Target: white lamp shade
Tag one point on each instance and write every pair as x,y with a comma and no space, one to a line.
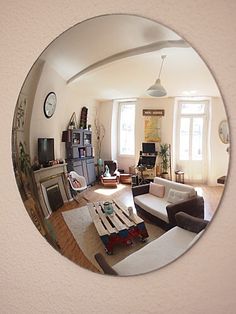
156,90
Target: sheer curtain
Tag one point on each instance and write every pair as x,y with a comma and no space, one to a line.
191,138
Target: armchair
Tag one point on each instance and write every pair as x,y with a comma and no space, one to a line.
113,178
160,251
77,184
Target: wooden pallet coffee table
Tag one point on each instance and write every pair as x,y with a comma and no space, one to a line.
118,227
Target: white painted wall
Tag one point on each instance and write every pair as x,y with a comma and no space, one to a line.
40,126
218,156
166,121
74,102
68,101
28,90
105,116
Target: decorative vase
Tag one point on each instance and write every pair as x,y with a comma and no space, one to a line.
130,211
165,175
100,162
108,208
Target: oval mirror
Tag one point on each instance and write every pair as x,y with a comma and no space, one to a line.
224,132
110,145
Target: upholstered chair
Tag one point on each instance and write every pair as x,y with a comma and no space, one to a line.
113,178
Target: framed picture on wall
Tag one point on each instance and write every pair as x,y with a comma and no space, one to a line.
152,129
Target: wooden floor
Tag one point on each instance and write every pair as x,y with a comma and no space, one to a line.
67,243
212,196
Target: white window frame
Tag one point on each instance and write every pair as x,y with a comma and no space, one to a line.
180,115
119,122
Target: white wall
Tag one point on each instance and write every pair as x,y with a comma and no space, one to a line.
218,156
74,102
166,121
68,101
105,116
28,90
40,126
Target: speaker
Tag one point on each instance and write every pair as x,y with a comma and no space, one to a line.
134,180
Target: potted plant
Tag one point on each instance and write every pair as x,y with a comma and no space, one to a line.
100,133
24,159
164,155
25,168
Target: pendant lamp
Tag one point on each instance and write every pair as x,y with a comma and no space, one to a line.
157,90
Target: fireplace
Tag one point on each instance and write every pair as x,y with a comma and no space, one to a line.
54,197
52,187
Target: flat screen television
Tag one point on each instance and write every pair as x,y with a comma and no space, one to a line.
148,148
45,150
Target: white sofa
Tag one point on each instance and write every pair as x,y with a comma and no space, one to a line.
161,209
161,251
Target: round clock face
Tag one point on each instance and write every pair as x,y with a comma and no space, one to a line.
50,104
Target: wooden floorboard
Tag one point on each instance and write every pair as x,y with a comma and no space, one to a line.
66,241
212,196
68,246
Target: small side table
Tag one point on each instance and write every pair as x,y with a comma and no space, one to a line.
179,176
125,178
221,180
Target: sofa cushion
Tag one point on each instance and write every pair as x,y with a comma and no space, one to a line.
157,189
153,205
175,185
156,254
175,196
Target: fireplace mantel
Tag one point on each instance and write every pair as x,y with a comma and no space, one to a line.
47,177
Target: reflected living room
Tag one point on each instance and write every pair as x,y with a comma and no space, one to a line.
120,145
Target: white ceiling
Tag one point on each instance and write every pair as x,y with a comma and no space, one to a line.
184,73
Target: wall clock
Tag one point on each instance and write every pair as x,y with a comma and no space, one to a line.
49,106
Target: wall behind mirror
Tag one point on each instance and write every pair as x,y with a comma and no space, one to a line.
119,72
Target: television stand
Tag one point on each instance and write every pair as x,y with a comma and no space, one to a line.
148,161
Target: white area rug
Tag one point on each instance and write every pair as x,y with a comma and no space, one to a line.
82,228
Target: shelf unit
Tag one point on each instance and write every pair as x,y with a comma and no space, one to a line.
79,153
149,162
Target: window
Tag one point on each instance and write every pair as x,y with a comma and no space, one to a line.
191,138
192,108
184,139
126,128
191,130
